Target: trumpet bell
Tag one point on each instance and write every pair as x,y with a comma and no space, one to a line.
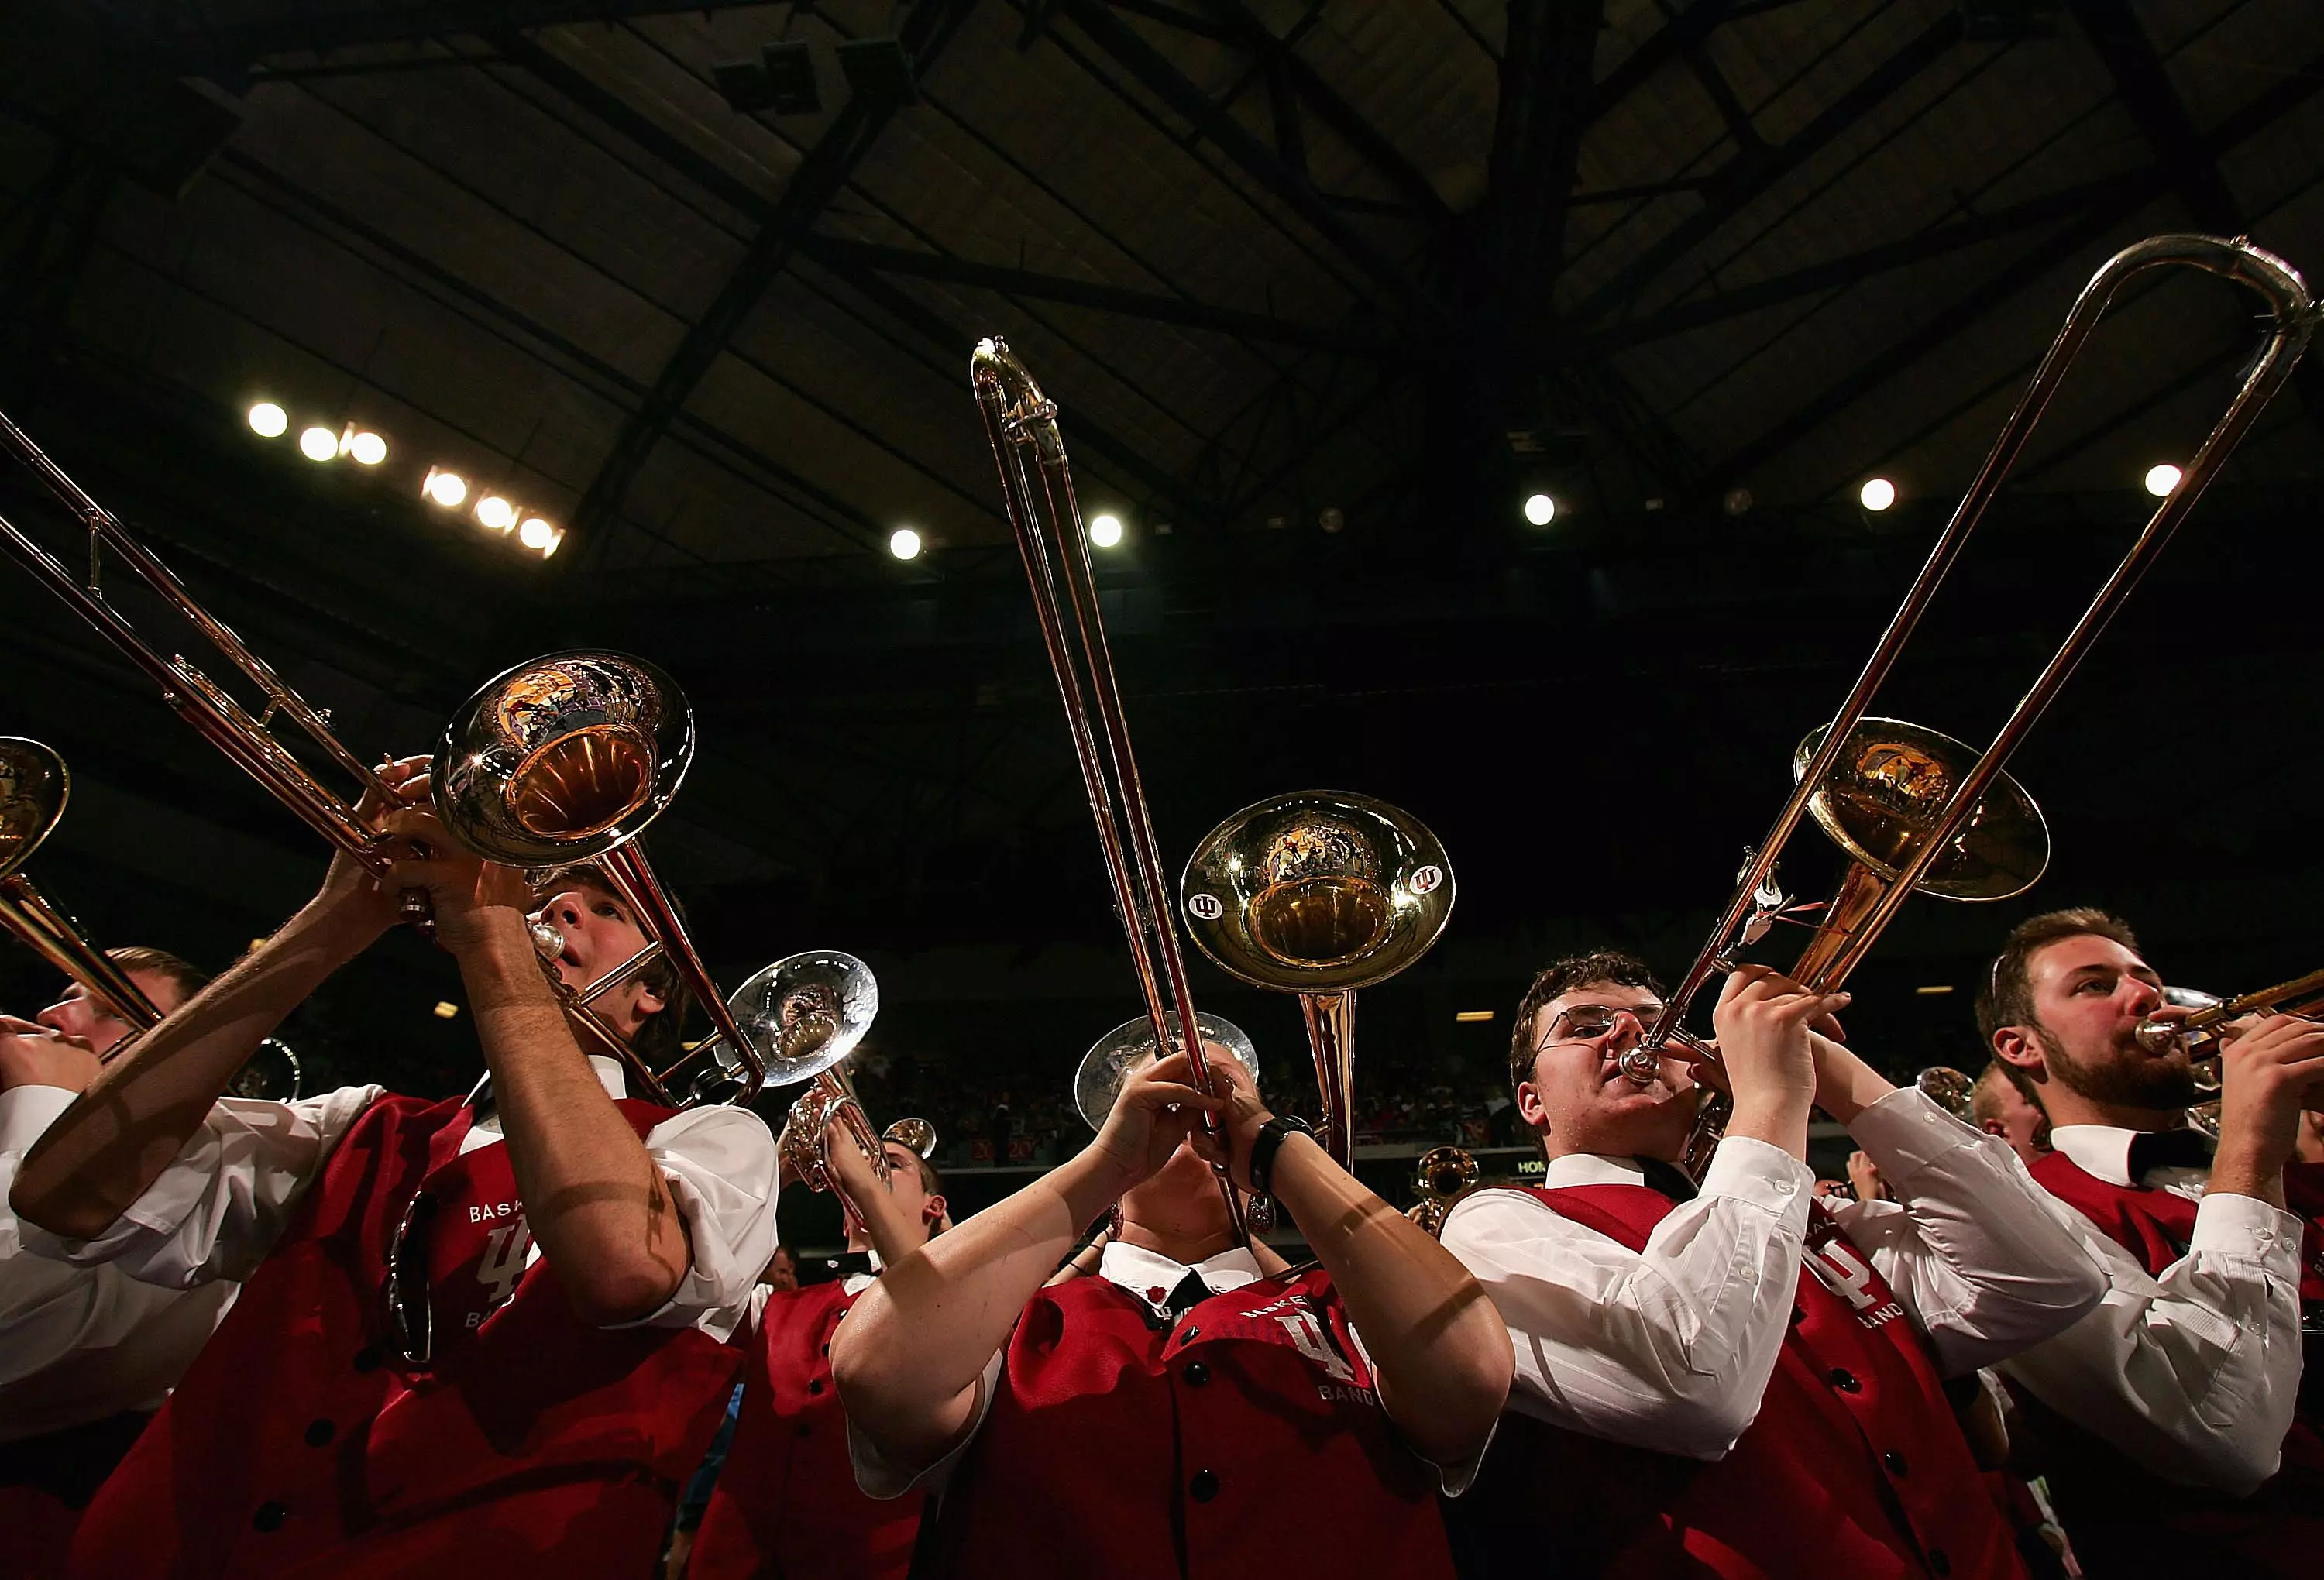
563,757
806,1012
1445,1172
1889,787
1947,1089
271,1073
1127,1049
1319,891
916,1133
35,785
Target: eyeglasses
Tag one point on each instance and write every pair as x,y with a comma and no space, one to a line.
408,1309
1586,1022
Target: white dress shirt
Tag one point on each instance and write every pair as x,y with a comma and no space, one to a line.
1670,1348
218,1208
80,1344
2193,1374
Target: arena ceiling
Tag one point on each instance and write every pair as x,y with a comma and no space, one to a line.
1323,290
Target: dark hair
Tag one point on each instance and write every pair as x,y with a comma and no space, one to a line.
2008,997
661,1035
931,1180
161,963
1982,1109
1600,965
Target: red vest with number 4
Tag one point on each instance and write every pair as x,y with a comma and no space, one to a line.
1854,1465
301,1444
1246,1440
786,1502
2126,1521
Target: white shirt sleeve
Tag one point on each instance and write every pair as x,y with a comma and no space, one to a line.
1969,1245
218,1206
1669,1348
2193,1374
879,1477
721,1165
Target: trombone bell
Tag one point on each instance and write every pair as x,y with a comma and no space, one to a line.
1131,1046
33,788
1889,788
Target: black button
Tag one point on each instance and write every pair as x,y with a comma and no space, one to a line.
1191,1334
1198,1373
270,1516
1938,1563
806,1429
826,1349
815,1386
1894,1461
367,1358
1844,1380
319,1432
1202,1487
1799,1315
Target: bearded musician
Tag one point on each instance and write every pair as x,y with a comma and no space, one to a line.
1712,1377
475,1338
2175,1427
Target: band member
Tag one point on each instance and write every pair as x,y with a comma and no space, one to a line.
787,1502
475,1336
87,1354
2003,1103
1184,1411
2174,1434
1712,1378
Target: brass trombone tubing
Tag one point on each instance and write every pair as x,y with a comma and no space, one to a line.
197,699
49,933
2300,991
626,866
2293,314
1022,425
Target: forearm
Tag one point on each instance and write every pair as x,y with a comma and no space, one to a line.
2241,1168
907,1357
894,1233
593,1200
1779,1118
1845,1084
1440,1350
103,1151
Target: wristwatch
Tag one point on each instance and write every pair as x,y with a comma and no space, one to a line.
1263,1147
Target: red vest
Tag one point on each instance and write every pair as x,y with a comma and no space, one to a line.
1854,1465
300,1444
2125,1521
1247,1440
786,1502
45,1482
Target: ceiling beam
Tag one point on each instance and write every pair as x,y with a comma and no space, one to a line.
303,27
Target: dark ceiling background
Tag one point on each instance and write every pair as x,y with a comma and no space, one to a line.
1401,261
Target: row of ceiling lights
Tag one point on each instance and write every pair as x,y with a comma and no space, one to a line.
1877,493
443,487
1105,532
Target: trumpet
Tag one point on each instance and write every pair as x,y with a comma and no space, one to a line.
1948,1090
1319,893
247,738
1916,811
2203,1033
1037,485
34,787
813,1009
1440,1177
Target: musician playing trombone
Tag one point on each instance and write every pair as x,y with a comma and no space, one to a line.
1712,1377
2169,1423
787,1502
1191,1409
490,1330
87,1354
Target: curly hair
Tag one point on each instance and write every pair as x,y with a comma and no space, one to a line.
2008,997
1600,965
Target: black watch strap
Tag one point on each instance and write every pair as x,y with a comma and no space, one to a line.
1264,1147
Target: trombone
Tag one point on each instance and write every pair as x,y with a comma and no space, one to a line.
246,739
1915,810
1319,893
34,787
1037,483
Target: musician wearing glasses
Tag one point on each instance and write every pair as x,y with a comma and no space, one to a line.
481,1331
787,1502
1712,1377
1194,1408
87,1354
2170,1423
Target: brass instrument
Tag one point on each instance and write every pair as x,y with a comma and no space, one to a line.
565,759
1917,811
1319,893
810,1010
2201,1032
34,787
1948,1090
1442,1177
1036,485
1133,1045
245,738
917,1135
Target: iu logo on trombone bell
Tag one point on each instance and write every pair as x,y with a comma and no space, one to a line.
1204,907
1425,879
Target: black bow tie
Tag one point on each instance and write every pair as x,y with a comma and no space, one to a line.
822,1270
1189,1293
1667,1178
2168,1148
